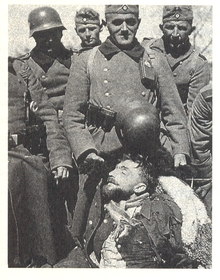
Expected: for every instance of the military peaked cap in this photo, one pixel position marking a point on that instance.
(173, 12)
(87, 16)
(122, 9)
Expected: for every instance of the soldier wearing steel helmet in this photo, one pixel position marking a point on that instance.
(44, 72)
(88, 28)
(190, 69)
(97, 90)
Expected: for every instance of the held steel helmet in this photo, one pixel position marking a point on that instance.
(44, 18)
(139, 128)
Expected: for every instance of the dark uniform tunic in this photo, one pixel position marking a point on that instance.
(30, 177)
(46, 78)
(190, 70)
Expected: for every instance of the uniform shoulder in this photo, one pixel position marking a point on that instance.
(148, 41)
(197, 56)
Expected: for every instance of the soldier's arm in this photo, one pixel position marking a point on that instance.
(57, 144)
(199, 79)
(75, 105)
(173, 114)
(200, 127)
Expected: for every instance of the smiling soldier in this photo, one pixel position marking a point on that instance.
(97, 90)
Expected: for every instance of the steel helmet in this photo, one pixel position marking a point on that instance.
(139, 129)
(44, 18)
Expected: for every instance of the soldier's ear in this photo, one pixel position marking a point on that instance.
(140, 188)
(161, 27)
(192, 29)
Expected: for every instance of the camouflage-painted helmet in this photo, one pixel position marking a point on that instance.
(44, 18)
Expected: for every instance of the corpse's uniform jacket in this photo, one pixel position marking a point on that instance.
(159, 231)
(113, 78)
(174, 232)
(190, 70)
(46, 79)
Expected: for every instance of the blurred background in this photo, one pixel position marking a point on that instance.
(18, 30)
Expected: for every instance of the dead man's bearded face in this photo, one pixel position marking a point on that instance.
(122, 181)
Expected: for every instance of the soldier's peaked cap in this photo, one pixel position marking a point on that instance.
(87, 16)
(179, 13)
(122, 9)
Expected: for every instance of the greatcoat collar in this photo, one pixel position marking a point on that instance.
(45, 61)
(109, 49)
(159, 45)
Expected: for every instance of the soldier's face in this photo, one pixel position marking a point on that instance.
(48, 41)
(176, 32)
(89, 34)
(122, 28)
(122, 180)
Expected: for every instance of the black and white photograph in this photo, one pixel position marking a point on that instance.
(109, 135)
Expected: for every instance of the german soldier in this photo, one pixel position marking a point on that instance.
(97, 90)
(45, 71)
(88, 28)
(190, 68)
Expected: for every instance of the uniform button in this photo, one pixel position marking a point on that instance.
(143, 93)
(43, 76)
(45, 88)
(105, 221)
(106, 94)
(108, 107)
(181, 62)
(105, 69)
(174, 74)
(90, 222)
(105, 81)
(96, 204)
(119, 246)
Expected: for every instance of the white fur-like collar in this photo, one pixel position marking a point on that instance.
(192, 209)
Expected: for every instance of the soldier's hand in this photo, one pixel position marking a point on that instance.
(92, 163)
(203, 190)
(61, 173)
(179, 159)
